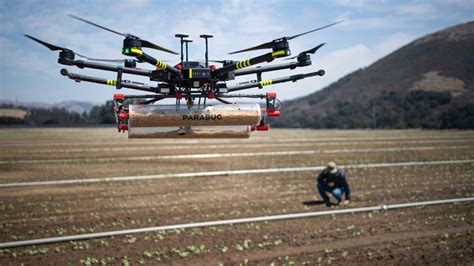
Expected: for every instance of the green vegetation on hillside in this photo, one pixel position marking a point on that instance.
(427, 83)
(460, 117)
(416, 109)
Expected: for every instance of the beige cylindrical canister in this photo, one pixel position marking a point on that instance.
(216, 115)
(190, 132)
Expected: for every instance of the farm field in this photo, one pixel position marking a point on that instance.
(145, 189)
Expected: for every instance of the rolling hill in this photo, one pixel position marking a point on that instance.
(428, 83)
(71, 106)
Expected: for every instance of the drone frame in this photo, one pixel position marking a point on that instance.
(188, 80)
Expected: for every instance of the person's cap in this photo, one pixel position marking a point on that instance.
(332, 167)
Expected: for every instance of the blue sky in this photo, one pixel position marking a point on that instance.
(372, 29)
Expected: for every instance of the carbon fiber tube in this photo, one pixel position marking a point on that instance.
(259, 69)
(110, 82)
(237, 65)
(155, 62)
(293, 78)
(128, 70)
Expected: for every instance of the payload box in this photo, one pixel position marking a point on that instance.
(216, 121)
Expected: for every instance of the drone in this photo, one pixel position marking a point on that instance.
(191, 84)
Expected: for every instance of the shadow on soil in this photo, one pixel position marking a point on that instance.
(313, 202)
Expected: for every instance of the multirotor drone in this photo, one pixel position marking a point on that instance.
(190, 82)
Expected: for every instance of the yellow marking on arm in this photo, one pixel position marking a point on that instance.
(159, 64)
(242, 64)
(136, 51)
(278, 53)
(265, 82)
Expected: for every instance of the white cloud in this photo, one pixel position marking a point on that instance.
(371, 23)
(341, 62)
(336, 64)
(391, 43)
(25, 59)
(236, 24)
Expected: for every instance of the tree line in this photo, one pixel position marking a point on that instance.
(38, 117)
(391, 110)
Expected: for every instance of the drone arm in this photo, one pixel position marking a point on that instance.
(257, 96)
(140, 55)
(268, 57)
(110, 82)
(260, 69)
(128, 70)
(149, 96)
(262, 83)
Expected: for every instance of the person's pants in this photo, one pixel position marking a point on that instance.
(337, 192)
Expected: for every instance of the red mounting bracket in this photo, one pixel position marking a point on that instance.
(262, 127)
(273, 108)
(121, 113)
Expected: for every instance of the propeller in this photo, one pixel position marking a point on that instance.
(51, 47)
(310, 51)
(269, 45)
(144, 43)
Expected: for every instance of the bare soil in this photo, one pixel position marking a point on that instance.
(430, 235)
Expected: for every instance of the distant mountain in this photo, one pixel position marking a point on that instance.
(427, 83)
(76, 106)
(71, 106)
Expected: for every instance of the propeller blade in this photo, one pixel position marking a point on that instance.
(97, 25)
(269, 45)
(154, 46)
(53, 47)
(50, 46)
(310, 51)
(298, 35)
(145, 43)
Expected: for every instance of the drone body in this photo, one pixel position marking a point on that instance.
(193, 82)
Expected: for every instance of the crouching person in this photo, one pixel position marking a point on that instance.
(334, 181)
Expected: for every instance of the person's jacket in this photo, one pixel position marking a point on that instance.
(339, 179)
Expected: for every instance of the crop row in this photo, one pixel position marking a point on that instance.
(110, 206)
(361, 237)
